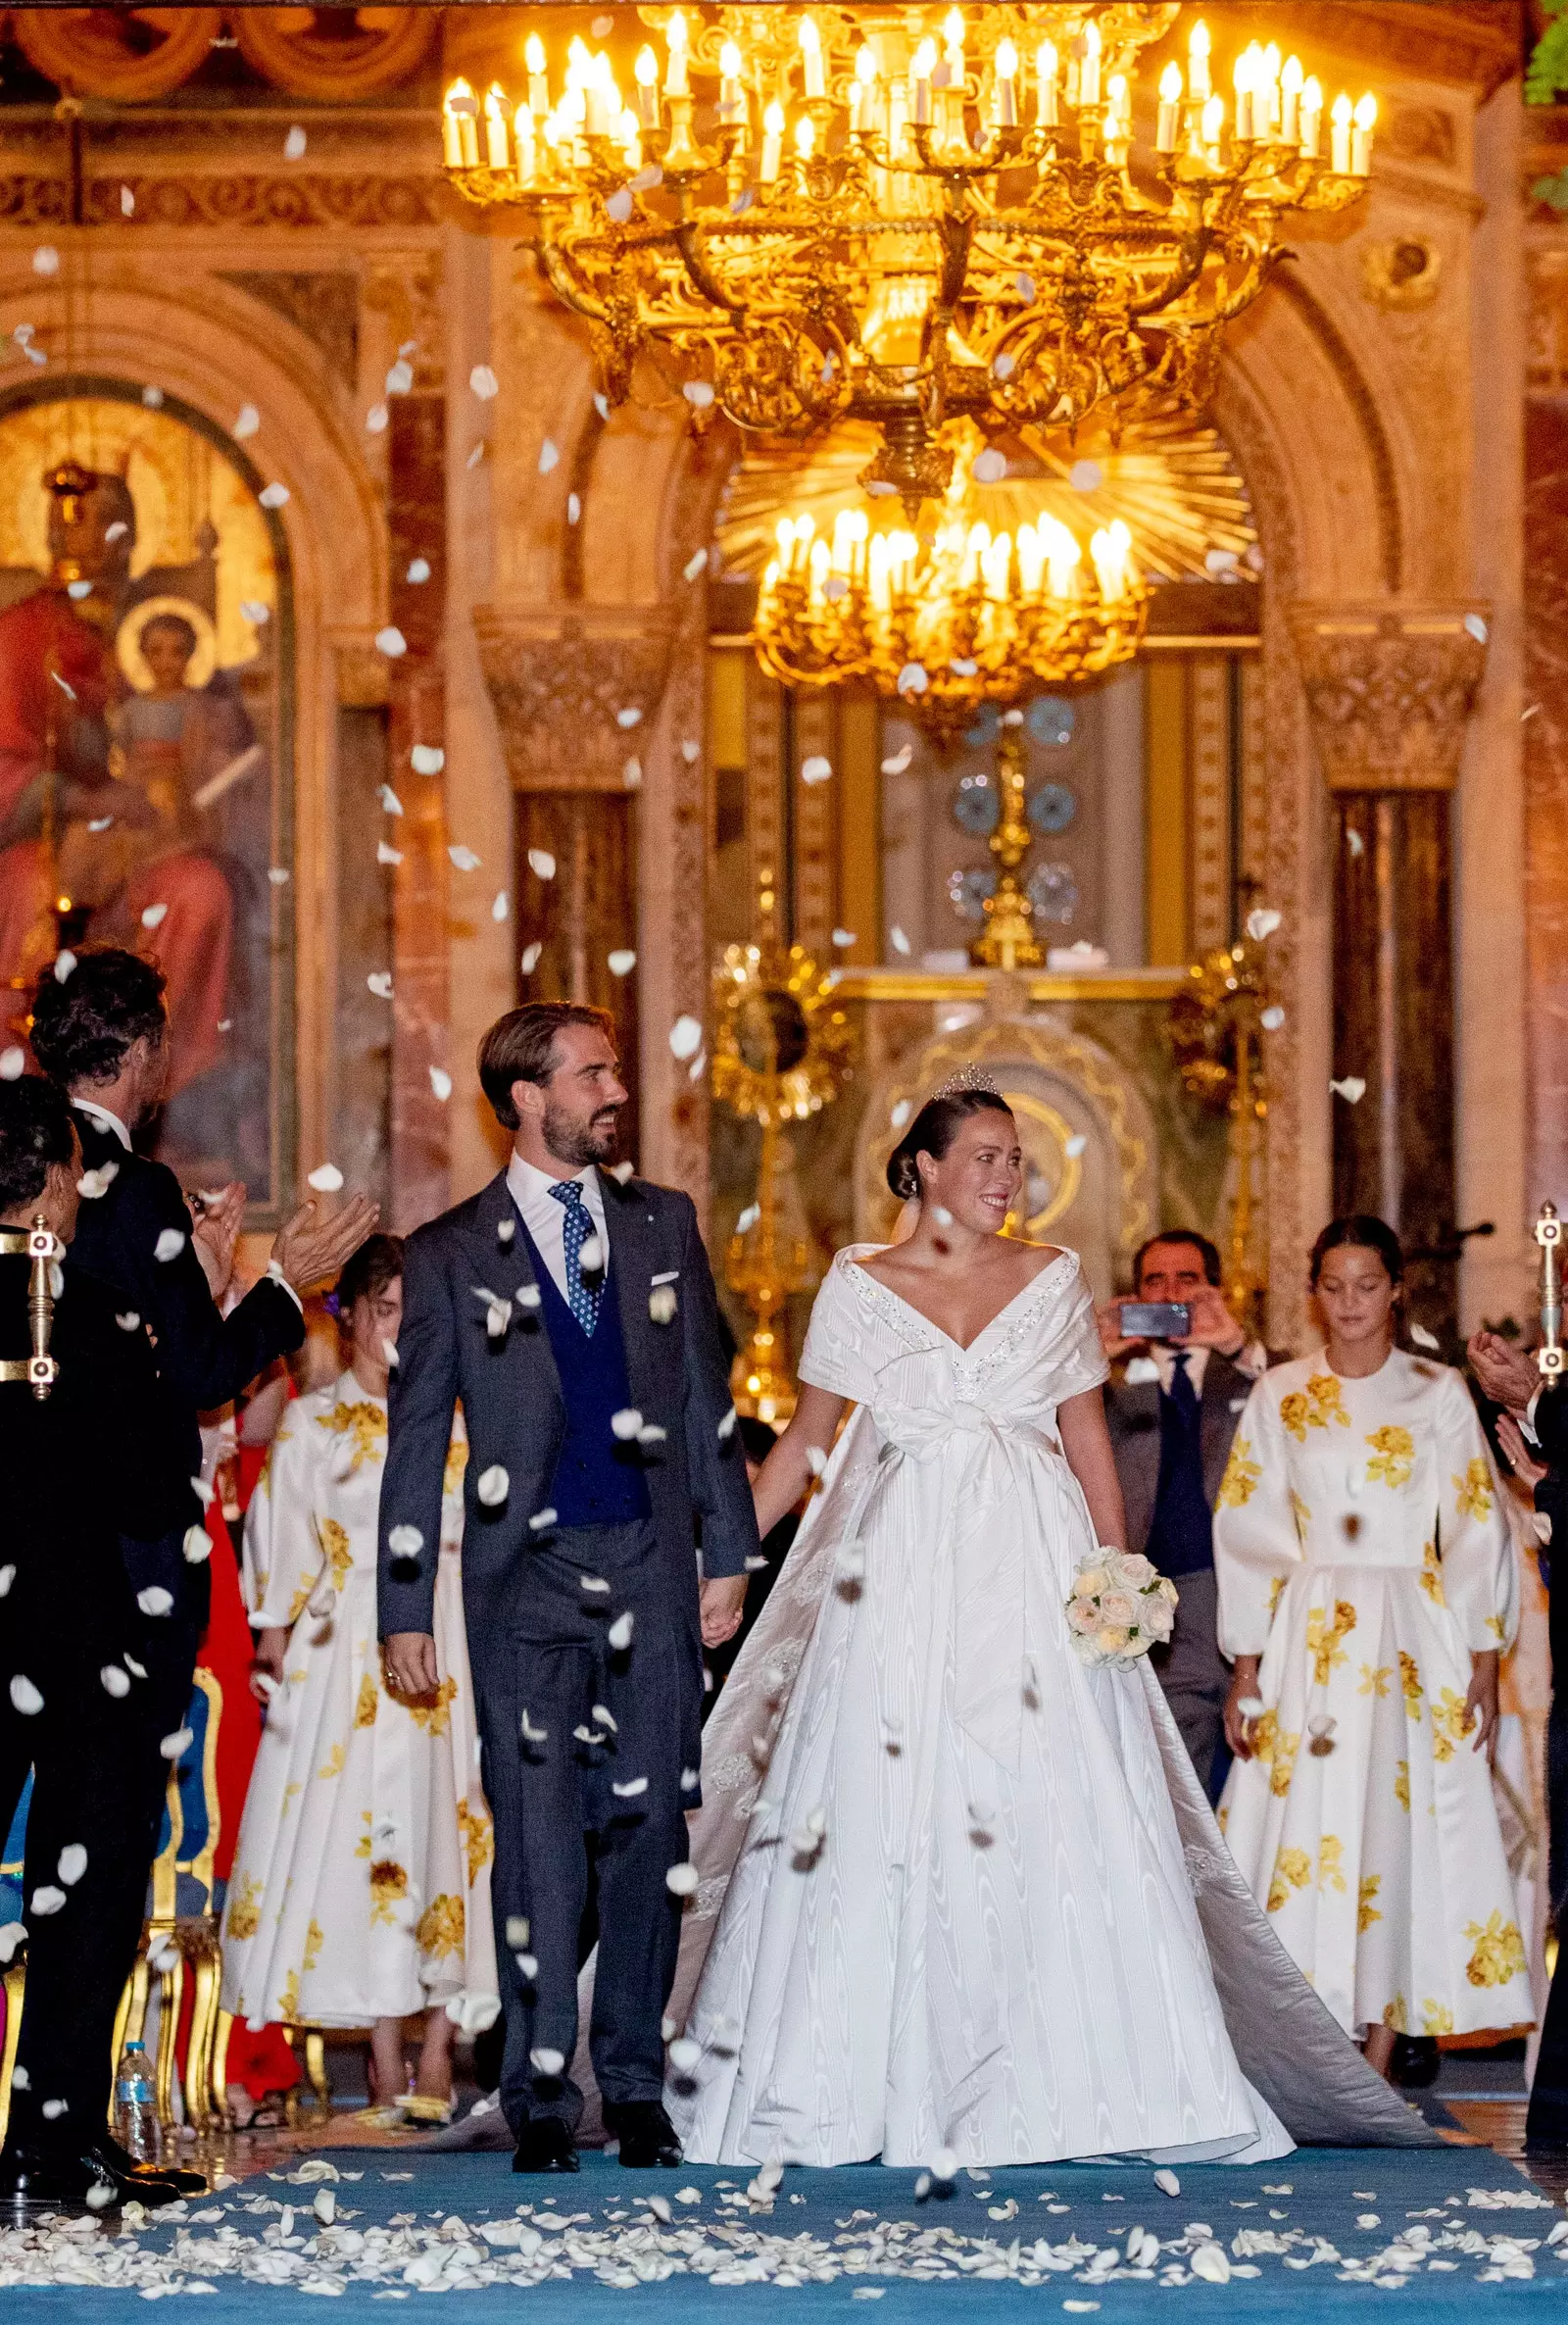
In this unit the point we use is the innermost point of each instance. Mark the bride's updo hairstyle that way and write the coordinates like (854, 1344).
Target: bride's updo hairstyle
(933, 1132)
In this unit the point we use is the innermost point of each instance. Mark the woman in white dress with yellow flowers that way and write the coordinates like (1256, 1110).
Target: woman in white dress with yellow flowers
(1367, 1588)
(361, 1888)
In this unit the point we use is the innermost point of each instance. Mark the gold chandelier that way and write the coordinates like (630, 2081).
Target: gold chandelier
(905, 217)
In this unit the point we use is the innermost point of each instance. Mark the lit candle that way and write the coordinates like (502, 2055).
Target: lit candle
(1211, 126)
(675, 35)
(646, 70)
(601, 101)
(1111, 550)
(1242, 75)
(772, 142)
(1312, 118)
(866, 90)
(1366, 113)
(1266, 93)
(495, 127)
(810, 41)
(1170, 108)
(522, 130)
(805, 136)
(1291, 96)
(953, 34)
(1089, 66)
(921, 66)
(1006, 85)
(538, 76)
(1198, 81)
(1047, 67)
(731, 98)
(1118, 112)
(1340, 136)
(466, 106)
(450, 129)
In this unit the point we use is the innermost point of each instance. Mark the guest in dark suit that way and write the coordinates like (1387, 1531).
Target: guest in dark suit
(574, 1316)
(71, 1683)
(1172, 1408)
(99, 1033)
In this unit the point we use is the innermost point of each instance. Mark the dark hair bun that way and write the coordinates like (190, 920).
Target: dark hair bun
(904, 1174)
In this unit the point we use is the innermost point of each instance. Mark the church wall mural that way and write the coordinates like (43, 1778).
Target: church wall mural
(146, 707)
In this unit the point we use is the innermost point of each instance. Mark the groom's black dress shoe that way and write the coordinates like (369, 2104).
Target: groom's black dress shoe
(89, 2179)
(121, 2160)
(645, 2133)
(544, 2145)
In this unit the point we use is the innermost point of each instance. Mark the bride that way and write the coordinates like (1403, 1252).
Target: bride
(967, 1890)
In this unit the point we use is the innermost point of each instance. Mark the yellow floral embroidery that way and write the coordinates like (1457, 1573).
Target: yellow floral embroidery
(361, 1847)
(288, 2002)
(1276, 1747)
(365, 1425)
(365, 1703)
(1411, 1682)
(1241, 1475)
(1395, 2015)
(1314, 1407)
(1292, 1869)
(1323, 1639)
(301, 1600)
(336, 1550)
(1275, 1590)
(478, 1838)
(1435, 2017)
(389, 1885)
(315, 1940)
(1494, 1624)
(1375, 1680)
(1401, 1783)
(1451, 1724)
(1301, 1514)
(456, 1463)
(333, 1764)
(291, 1792)
(1394, 1455)
(245, 1909)
(1331, 1863)
(1366, 1912)
(1432, 1573)
(1222, 1816)
(441, 1927)
(1475, 1490)
(431, 1712)
(1500, 1952)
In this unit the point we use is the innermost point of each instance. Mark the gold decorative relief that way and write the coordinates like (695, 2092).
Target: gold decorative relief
(297, 52)
(575, 689)
(126, 54)
(1402, 275)
(1389, 691)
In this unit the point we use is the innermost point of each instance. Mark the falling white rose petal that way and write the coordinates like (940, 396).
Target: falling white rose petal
(377, 419)
(65, 962)
(464, 858)
(294, 144)
(405, 1542)
(630, 717)
(25, 1697)
(154, 1600)
(1350, 1088)
(549, 457)
(274, 496)
(47, 259)
(12, 1063)
(1271, 1018)
(171, 1747)
(49, 1900)
(1167, 2183)
(530, 958)
(379, 982)
(493, 1486)
(815, 1459)
(441, 1083)
(1425, 1339)
(625, 1424)
(129, 1321)
(253, 612)
(545, 1518)
(899, 941)
(1262, 924)
(685, 1037)
(419, 571)
(247, 424)
(1076, 1145)
(546, 2061)
(726, 1426)
(484, 382)
(171, 1243)
(391, 642)
(632, 1790)
(817, 769)
(400, 379)
(113, 1680)
(325, 1178)
(541, 863)
(591, 1258)
(661, 1304)
(501, 906)
(389, 798)
(73, 1863)
(622, 1174)
(694, 565)
(681, 1880)
(900, 1113)
(278, 874)
(620, 962)
(154, 915)
(619, 1632)
(197, 1547)
(427, 759)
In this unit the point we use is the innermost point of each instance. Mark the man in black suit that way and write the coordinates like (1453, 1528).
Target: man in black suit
(1172, 1406)
(573, 1313)
(99, 1033)
(71, 1682)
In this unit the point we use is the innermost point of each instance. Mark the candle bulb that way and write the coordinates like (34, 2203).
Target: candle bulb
(1242, 75)
(953, 34)
(1006, 85)
(1088, 66)
(731, 98)
(922, 67)
(811, 58)
(451, 128)
(1312, 118)
(1340, 136)
(496, 152)
(675, 35)
(866, 90)
(533, 53)
(1367, 112)
(1266, 93)
(646, 71)
(1211, 126)
(1198, 81)
(1291, 101)
(1047, 66)
(772, 142)
(522, 132)
(1170, 108)
(1119, 113)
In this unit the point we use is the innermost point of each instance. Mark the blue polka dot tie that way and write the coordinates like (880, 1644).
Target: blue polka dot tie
(576, 1226)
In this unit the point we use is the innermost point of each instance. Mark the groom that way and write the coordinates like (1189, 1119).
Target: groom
(574, 1319)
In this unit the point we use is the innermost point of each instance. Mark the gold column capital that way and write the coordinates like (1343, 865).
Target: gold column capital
(1390, 686)
(565, 680)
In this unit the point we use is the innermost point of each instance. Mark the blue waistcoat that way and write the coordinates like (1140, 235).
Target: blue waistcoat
(597, 1480)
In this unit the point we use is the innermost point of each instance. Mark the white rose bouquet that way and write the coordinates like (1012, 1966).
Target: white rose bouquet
(1120, 1606)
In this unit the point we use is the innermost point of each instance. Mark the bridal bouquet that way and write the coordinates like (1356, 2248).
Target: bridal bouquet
(1120, 1606)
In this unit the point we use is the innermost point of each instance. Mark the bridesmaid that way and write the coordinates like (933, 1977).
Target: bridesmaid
(361, 1889)
(1366, 1590)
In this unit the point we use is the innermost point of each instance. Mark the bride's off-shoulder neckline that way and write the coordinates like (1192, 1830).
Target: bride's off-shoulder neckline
(963, 1348)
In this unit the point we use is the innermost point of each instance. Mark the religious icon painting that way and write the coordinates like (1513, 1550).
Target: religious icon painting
(146, 714)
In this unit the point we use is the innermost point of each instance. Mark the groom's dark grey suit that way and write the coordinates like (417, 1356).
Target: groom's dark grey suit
(561, 1780)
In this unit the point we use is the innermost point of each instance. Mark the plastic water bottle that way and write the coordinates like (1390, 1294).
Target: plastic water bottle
(135, 2110)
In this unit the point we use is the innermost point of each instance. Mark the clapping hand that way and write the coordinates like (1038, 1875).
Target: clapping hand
(1506, 1374)
(1517, 1453)
(307, 1250)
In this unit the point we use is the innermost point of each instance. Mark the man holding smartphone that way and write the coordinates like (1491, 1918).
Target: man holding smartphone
(1181, 1370)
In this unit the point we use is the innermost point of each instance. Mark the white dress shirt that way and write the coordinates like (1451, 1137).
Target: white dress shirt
(1251, 1358)
(104, 1120)
(545, 1217)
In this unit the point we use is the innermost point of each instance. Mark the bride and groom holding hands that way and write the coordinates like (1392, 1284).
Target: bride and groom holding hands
(932, 1882)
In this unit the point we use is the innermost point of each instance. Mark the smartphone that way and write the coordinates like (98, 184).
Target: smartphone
(1155, 1320)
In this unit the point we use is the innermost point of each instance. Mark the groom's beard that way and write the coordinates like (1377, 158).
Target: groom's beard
(578, 1143)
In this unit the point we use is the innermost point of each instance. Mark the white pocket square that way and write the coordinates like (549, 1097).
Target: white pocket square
(671, 1275)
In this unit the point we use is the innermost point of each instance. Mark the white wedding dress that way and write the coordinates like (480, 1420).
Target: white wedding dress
(966, 1889)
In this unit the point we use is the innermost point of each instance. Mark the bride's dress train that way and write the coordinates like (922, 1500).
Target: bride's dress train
(958, 1889)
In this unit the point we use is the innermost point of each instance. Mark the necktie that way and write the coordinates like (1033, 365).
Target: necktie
(576, 1226)
(1181, 1393)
